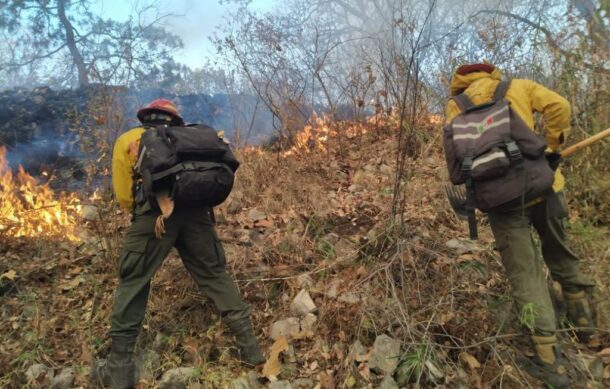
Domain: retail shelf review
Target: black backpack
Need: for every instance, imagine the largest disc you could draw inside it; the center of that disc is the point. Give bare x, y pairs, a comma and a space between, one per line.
492, 150
192, 163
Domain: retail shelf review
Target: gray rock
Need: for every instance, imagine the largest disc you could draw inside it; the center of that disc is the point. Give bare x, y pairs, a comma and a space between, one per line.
90, 212
304, 281
387, 170
349, 297
253, 379
462, 246
240, 383
39, 374
385, 355
357, 352
302, 304
287, 327
344, 249
148, 364
256, 215
355, 188
592, 365
177, 378
303, 383
388, 383
333, 289
308, 322
280, 385
64, 380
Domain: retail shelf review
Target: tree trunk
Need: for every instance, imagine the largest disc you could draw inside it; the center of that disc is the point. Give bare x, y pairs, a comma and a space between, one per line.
83, 77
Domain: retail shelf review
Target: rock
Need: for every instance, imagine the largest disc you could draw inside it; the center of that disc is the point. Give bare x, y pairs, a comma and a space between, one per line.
435, 374
90, 212
357, 352
344, 249
240, 383
387, 170
148, 364
304, 281
349, 297
287, 327
290, 356
253, 379
355, 188
388, 383
177, 378
280, 385
333, 289
307, 324
385, 355
64, 380
593, 366
256, 215
462, 246
331, 238
302, 304
39, 375
303, 383
160, 342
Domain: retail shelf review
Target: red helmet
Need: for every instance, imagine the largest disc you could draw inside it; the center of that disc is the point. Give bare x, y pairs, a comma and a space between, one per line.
160, 105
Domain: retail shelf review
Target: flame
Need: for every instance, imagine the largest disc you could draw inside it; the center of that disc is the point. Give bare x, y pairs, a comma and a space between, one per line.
28, 209
316, 136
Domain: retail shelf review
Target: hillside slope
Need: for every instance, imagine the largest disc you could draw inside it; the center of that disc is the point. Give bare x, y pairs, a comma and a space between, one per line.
314, 221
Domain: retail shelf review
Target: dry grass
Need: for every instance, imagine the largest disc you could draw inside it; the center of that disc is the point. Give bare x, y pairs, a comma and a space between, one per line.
328, 221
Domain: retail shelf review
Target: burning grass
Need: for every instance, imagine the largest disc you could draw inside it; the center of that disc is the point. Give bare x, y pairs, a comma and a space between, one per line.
29, 209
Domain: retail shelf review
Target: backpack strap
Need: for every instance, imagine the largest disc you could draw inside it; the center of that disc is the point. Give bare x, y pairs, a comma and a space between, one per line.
463, 102
501, 89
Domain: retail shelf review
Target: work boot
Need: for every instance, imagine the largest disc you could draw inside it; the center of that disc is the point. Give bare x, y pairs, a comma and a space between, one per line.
547, 365
118, 371
249, 350
579, 314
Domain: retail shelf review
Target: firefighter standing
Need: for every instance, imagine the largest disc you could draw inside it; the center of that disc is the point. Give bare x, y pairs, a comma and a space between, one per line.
192, 232
512, 228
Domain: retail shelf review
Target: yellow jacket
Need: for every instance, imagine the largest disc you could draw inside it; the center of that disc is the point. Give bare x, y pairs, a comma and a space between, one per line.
124, 158
525, 97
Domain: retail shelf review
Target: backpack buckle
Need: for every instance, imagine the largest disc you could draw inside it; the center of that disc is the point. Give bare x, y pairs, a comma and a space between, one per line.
513, 151
467, 165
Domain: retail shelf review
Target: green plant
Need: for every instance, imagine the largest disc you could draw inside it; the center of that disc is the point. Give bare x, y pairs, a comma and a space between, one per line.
412, 365
527, 316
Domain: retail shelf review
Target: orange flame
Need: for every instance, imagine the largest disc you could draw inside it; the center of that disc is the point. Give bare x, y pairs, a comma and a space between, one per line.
28, 209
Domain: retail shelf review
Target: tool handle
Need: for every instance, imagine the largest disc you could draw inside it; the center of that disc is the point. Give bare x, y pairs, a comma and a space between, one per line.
472, 225
580, 145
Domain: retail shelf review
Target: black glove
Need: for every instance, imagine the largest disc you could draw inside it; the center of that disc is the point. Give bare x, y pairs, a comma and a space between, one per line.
554, 160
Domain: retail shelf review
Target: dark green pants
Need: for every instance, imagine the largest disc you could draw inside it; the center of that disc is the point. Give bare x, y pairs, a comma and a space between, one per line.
192, 232
521, 259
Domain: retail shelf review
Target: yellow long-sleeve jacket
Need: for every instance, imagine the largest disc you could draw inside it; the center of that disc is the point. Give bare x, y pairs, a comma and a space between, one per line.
525, 97
124, 157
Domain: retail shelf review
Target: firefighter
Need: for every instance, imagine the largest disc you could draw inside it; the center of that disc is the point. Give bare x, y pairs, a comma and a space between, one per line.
191, 232
512, 227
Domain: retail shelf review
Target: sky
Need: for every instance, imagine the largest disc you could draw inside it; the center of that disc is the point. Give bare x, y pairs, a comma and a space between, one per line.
195, 22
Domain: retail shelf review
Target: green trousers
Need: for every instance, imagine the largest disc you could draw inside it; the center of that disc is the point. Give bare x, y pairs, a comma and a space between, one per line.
520, 256
192, 232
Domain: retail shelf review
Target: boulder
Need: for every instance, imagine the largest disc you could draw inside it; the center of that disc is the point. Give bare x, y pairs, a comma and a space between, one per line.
148, 364
286, 327
177, 378
302, 304
385, 355
388, 383
39, 375
64, 380
280, 385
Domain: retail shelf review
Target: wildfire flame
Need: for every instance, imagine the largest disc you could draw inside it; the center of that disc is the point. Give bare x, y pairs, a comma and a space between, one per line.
28, 209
